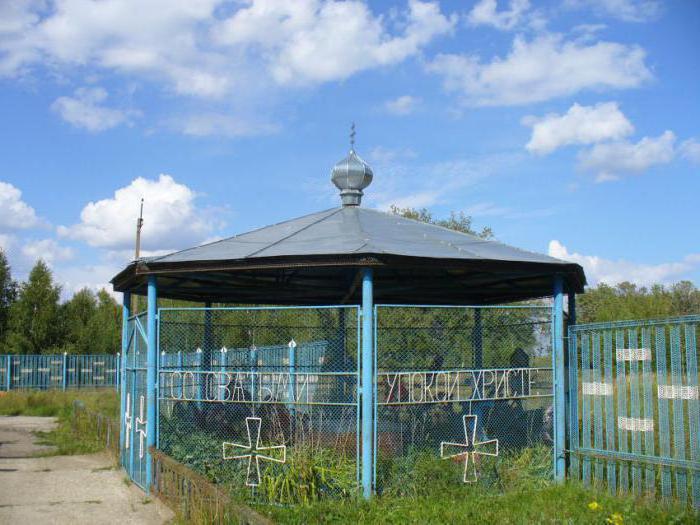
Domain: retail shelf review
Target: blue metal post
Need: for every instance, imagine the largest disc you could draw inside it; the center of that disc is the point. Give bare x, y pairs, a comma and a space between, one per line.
151, 376
8, 377
126, 313
367, 383
559, 374
65, 368
292, 375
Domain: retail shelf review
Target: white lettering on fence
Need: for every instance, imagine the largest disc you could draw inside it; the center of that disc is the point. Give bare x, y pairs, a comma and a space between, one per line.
677, 392
633, 354
596, 389
635, 424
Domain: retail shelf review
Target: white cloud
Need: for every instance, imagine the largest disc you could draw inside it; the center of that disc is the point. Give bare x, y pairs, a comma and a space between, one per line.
625, 10
610, 160
690, 150
612, 272
486, 12
403, 105
15, 214
579, 125
207, 49
310, 41
543, 68
207, 124
49, 250
172, 218
92, 276
383, 156
85, 110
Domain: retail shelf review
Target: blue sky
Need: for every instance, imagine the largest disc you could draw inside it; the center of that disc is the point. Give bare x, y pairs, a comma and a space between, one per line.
568, 127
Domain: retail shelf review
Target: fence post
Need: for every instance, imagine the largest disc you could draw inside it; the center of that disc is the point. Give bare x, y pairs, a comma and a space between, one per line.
151, 376
367, 382
65, 369
478, 340
126, 313
222, 380
8, 378
559, 382
292, 375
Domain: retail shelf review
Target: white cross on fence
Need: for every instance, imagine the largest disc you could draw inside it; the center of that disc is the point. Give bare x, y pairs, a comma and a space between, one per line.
253, 451
127, 421
143, 432
469, 448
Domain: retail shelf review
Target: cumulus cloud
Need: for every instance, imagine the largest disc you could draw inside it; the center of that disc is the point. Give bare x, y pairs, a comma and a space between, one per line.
690, 150
85, 110
49, 250
15, 214
612, 272
172, 218
610, 160
311, 41
403, 105
486, 13
545, 67
207, 49
625, 10
579, 125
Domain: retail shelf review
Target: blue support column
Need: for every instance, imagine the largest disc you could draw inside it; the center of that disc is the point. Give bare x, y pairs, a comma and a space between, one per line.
151, 376
126, 313
8, 375
367, 383
559, 381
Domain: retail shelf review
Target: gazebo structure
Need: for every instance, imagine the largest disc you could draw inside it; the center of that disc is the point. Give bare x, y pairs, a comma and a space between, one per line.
387, 317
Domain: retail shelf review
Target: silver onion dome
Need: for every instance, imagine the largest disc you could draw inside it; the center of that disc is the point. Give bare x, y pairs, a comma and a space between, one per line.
351, 175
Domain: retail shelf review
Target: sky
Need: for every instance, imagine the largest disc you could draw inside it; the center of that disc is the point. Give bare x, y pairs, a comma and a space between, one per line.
568, 127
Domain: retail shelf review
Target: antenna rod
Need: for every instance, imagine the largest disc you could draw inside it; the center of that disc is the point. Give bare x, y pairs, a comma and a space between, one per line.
139, 225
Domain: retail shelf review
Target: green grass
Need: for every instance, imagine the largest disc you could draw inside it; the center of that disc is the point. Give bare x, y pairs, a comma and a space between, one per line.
51, 403
468, 504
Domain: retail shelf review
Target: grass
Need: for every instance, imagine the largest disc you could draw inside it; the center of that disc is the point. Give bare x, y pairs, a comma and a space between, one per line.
570, 503
51, 403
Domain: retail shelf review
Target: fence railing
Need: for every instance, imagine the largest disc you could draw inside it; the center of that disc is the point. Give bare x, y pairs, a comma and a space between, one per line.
105, 429
60, 371
634, 418
194, 497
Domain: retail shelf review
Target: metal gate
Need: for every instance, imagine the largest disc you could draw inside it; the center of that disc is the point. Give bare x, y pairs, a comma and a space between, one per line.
134, 401
634, 414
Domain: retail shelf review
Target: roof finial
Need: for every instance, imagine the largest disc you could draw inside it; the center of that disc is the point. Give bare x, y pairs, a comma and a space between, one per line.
352, 137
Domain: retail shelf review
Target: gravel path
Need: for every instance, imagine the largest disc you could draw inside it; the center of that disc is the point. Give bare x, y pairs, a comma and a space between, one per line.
65, 489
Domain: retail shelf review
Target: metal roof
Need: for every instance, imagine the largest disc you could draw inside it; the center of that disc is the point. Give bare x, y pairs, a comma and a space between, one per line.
314, 259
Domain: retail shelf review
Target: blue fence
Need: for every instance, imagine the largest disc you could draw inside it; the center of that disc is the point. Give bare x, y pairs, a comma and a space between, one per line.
62, 371
634, 413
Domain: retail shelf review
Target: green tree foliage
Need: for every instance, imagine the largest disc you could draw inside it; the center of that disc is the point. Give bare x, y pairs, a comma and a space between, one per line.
34, 324
457, 221
628, 301
8, 293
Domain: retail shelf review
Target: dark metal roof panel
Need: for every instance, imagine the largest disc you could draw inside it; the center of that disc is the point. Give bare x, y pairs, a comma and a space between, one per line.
353, 231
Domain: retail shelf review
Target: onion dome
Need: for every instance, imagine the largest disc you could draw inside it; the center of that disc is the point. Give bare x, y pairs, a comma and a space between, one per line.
351, 175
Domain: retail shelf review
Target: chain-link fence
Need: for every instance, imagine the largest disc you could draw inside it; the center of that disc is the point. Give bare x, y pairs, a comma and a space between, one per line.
462, 394
262, 400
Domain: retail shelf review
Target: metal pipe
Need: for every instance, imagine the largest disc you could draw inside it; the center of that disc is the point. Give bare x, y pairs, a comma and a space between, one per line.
367, 380
151, 375
559, 382
126, 313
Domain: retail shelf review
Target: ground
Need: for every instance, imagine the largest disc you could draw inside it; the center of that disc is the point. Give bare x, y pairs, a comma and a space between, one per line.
65, 489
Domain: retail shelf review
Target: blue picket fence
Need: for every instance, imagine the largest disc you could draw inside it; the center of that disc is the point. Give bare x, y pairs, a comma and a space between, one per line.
59, 371
634, 412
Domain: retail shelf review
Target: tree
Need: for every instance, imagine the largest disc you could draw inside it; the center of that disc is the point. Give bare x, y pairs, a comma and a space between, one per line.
77, 315
34, 324
105, 325
8, 293
457, 221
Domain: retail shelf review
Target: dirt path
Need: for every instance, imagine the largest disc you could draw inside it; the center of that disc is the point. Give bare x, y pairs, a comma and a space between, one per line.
65, 489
